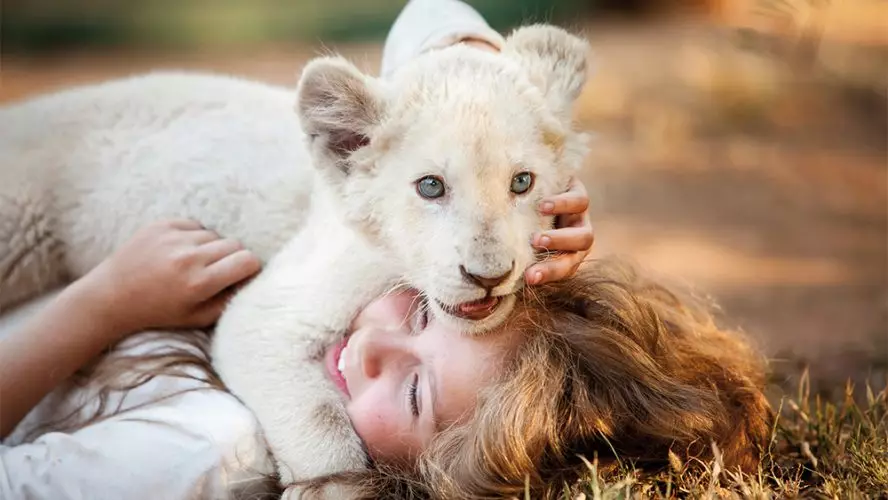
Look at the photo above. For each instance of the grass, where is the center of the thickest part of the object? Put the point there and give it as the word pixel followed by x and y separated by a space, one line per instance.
pixel 818 449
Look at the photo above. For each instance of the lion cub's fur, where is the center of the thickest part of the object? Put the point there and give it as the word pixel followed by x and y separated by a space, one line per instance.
pixel 330 189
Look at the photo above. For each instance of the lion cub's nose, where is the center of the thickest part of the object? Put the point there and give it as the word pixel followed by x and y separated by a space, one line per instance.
pixel 486 282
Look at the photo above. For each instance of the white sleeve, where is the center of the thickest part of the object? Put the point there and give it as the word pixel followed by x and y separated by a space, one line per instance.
pixel 430 24
pixel 195 445
pixel 177 439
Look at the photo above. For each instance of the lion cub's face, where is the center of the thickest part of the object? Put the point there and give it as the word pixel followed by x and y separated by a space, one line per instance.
pixel 444 164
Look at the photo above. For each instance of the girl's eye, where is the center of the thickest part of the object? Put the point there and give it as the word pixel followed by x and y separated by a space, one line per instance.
pixel 424 317
pixel 430 187
pixel 411 395
pixel 522 183
pixel 421 316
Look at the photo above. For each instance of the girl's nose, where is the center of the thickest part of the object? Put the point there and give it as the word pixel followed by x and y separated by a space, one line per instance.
pixel 383 350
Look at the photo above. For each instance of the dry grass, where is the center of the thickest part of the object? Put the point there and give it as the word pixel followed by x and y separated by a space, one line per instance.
pixel 818 449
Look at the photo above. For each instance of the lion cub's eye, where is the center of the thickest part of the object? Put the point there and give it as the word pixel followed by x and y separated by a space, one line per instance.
pixel 430 187
pixel 522 182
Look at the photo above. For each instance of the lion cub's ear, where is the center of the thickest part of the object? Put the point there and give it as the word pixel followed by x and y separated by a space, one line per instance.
pixel 338 107
pixel 555 59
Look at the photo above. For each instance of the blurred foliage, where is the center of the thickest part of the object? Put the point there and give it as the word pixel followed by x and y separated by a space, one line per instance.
pixel 842 42
pixel 43 25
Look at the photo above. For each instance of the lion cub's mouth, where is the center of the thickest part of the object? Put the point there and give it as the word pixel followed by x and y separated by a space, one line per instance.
pixel 473 310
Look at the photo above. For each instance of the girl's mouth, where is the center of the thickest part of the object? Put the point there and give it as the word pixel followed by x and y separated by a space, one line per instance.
pixel 336 364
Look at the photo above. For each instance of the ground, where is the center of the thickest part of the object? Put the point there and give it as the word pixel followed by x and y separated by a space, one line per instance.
pixel 764 187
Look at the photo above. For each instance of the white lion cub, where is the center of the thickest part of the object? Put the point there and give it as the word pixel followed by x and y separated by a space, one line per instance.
pixel 429 178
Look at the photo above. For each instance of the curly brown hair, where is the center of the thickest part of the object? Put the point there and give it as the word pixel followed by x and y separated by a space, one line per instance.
pixel 612 365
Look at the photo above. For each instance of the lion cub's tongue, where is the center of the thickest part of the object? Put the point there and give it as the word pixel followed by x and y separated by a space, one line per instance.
pixel 479 308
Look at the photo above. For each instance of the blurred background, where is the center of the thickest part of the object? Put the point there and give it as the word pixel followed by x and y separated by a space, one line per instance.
pixel 740 145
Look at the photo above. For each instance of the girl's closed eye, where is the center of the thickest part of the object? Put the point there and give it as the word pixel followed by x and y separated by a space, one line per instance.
pixel 420 316
pixel 411 395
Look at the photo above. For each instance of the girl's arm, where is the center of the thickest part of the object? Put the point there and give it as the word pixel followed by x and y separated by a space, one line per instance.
pixel 171 274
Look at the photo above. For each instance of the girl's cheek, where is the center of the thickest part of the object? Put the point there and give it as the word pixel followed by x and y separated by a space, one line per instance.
pixel 369 422
pixel 377 429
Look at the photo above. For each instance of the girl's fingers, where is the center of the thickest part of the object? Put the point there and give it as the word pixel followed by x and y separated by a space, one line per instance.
pixel 208 313
pixel 573 237
pixel 563 204
pixel 218 249
pixel 569 239
pixel 574 201
pixel 199 236
pixel 230 270
pixel 182 224
pixel 555 268
pixel 572 220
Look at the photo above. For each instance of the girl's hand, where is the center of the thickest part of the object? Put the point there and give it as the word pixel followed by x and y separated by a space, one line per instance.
pixel 570 241
pixel 170 274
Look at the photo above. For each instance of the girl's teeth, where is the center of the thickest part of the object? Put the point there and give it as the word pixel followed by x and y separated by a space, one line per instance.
pixel 341 365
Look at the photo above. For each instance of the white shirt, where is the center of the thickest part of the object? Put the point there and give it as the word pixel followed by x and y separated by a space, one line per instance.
pixel 200 444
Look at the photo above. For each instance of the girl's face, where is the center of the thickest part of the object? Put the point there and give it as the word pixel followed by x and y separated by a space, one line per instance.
pixel 404 376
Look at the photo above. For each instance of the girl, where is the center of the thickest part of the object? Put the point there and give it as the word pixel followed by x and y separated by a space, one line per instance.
pixel 606 363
